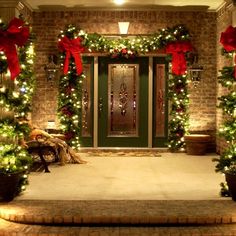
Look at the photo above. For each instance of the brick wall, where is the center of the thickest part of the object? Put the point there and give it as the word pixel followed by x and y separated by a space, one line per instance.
pixel 202 26
pixel 224 19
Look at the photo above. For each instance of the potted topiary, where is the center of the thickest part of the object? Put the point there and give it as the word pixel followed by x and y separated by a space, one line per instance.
pixel 14 159
pixel 227 78
pixel 227 165
pixel 14 166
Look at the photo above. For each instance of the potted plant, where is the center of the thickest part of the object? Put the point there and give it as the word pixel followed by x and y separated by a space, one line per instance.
pixel 227 78
pixel 14 159
pixel 14 166
pixel 227 165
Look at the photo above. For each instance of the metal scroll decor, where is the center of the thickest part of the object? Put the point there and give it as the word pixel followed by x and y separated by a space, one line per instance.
pixel 123 99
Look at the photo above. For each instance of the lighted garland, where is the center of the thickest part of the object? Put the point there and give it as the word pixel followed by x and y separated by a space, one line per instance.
pixel 226 163
pixel 17 98
pixel 179 117
pixel 70 92
pixel 69 102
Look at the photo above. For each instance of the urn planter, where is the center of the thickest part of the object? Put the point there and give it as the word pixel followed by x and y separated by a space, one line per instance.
pixel 9 185
pixel 231 182
pixel 196 144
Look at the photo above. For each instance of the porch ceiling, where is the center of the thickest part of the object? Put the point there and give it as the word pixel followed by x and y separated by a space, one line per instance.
pixel 186 4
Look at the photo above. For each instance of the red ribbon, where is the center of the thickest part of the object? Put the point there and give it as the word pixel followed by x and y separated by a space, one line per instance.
pixel 72 47
pixel 16 34
pixel 177 49
pixel 228 40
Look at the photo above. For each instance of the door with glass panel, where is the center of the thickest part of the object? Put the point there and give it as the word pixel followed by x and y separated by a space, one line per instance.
pixel 160 102
pixel 123 102
pixel 86 133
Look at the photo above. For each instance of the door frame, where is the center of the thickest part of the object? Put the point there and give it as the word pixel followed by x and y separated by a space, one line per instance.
pixel 150 103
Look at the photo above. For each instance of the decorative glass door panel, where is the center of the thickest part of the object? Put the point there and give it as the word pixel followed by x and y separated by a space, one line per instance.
pixel 160 102
pixel 123 99
pixel 86 137
pixel 86 102
pixel 123 96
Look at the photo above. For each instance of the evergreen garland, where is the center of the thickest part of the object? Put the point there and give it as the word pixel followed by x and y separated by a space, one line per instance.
pixel 69 109
pixel 179 117
pixel 70 93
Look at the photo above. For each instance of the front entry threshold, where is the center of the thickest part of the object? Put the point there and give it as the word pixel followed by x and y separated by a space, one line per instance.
pixel 122 149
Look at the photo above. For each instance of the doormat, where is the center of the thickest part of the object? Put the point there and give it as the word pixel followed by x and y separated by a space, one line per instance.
pixel 121 154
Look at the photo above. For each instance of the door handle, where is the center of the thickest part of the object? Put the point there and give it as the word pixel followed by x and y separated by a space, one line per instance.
pixel 100 105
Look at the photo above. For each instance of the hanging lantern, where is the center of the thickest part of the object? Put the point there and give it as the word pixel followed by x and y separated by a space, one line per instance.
pixel 51 68
pixel 195 71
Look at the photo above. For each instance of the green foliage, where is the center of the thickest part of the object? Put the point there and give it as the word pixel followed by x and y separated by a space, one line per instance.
pixel 226 77
pixel 228 130
pixel 14 159
pixel 17 99
pixel 226 163
pixel 228 103
pixel 11 128
pixel 124 47
pixel 179 118
pixel 70 94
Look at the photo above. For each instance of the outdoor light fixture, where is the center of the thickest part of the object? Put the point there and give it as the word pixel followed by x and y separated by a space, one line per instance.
pixel 51 68
pixel 195 71
pixel 123 27
pixel 119 2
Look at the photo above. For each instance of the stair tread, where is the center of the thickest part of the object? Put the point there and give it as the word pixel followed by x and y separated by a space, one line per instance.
pixel 10 228
pixel 118 211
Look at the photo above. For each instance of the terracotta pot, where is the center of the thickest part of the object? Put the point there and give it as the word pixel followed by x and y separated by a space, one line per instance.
pixel 9 184
pixel 231 182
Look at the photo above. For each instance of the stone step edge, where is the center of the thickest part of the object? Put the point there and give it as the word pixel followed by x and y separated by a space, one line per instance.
pixel 115 220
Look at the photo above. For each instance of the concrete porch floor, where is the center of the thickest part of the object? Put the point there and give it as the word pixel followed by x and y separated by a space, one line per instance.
pixel 125 195
pixel 121 176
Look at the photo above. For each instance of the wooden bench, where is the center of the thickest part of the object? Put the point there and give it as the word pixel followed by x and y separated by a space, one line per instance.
pixel 41 149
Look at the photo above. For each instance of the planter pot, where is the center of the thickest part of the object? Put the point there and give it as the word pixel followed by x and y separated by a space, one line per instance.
pixel 9 184
pixel 196 144
pixel 231 182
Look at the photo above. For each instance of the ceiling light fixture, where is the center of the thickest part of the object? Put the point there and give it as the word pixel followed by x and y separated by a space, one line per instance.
pixel 123 27
pixel 119 2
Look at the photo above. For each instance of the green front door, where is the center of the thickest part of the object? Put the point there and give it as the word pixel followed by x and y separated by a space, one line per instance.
pixel 123 102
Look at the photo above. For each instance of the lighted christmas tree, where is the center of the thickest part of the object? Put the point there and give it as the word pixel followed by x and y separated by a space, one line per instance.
pixel 16 90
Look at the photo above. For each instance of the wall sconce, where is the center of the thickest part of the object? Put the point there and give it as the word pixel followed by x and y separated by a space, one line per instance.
pixel 51 68
pixel 123 27
pixel 195 71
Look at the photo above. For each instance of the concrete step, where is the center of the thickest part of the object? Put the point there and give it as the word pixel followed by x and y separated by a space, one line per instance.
pixel 120 212
pixel 9 229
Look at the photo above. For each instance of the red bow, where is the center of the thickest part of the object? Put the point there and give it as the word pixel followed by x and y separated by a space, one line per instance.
pixel 16 34
pixel 228 40
pixel 177 49
pixel 73 48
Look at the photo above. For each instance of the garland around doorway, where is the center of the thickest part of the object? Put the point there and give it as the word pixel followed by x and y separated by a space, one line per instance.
pixel 175 42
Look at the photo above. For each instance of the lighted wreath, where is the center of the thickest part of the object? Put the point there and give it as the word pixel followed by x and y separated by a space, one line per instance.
pixel 72 42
